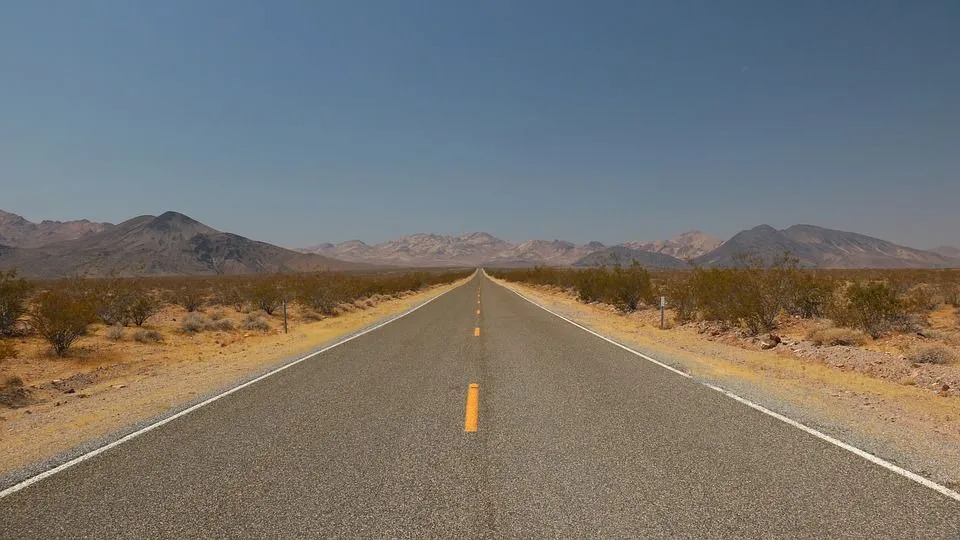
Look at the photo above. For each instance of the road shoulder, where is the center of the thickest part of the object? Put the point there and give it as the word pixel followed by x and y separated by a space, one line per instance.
pixel 910 427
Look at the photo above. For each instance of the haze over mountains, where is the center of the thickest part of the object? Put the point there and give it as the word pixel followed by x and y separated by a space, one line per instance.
pixel 174 244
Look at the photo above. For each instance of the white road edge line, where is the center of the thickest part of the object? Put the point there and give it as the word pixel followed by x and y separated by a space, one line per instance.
pixel 93 453
pixel 943 490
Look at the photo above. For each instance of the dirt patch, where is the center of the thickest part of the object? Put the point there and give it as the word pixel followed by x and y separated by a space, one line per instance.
pixel 13 394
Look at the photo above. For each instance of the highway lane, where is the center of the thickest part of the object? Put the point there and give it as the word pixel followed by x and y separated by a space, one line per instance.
pixel 574 437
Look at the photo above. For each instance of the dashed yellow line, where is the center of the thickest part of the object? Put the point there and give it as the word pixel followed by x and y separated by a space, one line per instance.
pixel 476 332
pixel 473 403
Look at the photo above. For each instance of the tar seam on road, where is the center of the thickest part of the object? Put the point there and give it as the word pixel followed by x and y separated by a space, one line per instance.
pixel 943 490
pixel 473 403
pixel 93 453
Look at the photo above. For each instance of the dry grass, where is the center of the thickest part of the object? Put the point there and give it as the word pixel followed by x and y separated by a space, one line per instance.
pixel 116 332
pixel 7 350
pixel 837 336
pixel 147 336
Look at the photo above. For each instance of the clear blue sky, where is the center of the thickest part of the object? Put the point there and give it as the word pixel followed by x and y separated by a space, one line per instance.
pixel 302 122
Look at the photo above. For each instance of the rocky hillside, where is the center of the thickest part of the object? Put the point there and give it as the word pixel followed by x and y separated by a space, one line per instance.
pixel 823 248
pixel 15 231
pixel 688 245
pixel 169 244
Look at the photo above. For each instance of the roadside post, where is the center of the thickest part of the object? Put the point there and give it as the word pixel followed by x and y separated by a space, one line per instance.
pixel 663 303
pixel 284 315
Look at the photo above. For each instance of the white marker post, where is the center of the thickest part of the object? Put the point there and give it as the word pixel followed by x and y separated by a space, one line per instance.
pixel 663 304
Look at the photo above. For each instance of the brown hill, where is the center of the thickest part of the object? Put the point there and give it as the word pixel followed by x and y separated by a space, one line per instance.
pixel 169 244
pixel 823 248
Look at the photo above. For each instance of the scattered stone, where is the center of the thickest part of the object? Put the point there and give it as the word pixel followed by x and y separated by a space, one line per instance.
pixel 83 395
pixel 119 386
pixel 70 391
pixel 769 341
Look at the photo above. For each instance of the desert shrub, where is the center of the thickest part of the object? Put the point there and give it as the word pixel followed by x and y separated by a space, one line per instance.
pixel 837 336
pixel 217 315
pixel 115 332
pixel 13 296
pixel 872 307
pixel 266 295
pixel 319 293
pixel 951 294
pixel 61 316
pixel 7 350
pixel 681 299
pixel 922 297
pixel 931 354
pixel 255 322
pixel 233 295
pixel 809 295
pixel 194 323
pixel 627 287
pixel 189 297
pixel 147 336
pixel 112 300
pixel 142 306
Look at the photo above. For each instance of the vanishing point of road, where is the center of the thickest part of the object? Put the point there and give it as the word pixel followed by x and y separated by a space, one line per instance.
pixel 478 415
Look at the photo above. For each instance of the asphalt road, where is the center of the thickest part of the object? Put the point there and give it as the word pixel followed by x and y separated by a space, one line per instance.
pixel 575 438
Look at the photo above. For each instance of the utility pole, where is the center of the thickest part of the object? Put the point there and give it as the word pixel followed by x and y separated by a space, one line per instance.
pixel 284 315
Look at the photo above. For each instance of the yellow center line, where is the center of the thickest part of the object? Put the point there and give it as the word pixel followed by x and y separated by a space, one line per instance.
pixel 473 402
pixel 478 312
pixel 476 332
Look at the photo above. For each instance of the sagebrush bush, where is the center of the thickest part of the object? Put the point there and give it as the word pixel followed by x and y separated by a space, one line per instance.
pixel 194 323
pixel 255 322
pixel 223 325
pixel 61 316
pixel 115 332
pixel 147 336
pixel 837 336
pixel 217 315
pixel 13 295
pixel 931 354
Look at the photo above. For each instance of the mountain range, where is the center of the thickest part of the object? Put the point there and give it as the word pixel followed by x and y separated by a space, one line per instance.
pixel 174 244
pixel 169 244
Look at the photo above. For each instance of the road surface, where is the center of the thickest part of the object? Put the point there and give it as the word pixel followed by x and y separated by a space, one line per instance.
pixel 574 437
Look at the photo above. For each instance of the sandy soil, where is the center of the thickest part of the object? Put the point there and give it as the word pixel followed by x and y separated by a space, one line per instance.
pixel 104 386
pixel 871 396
